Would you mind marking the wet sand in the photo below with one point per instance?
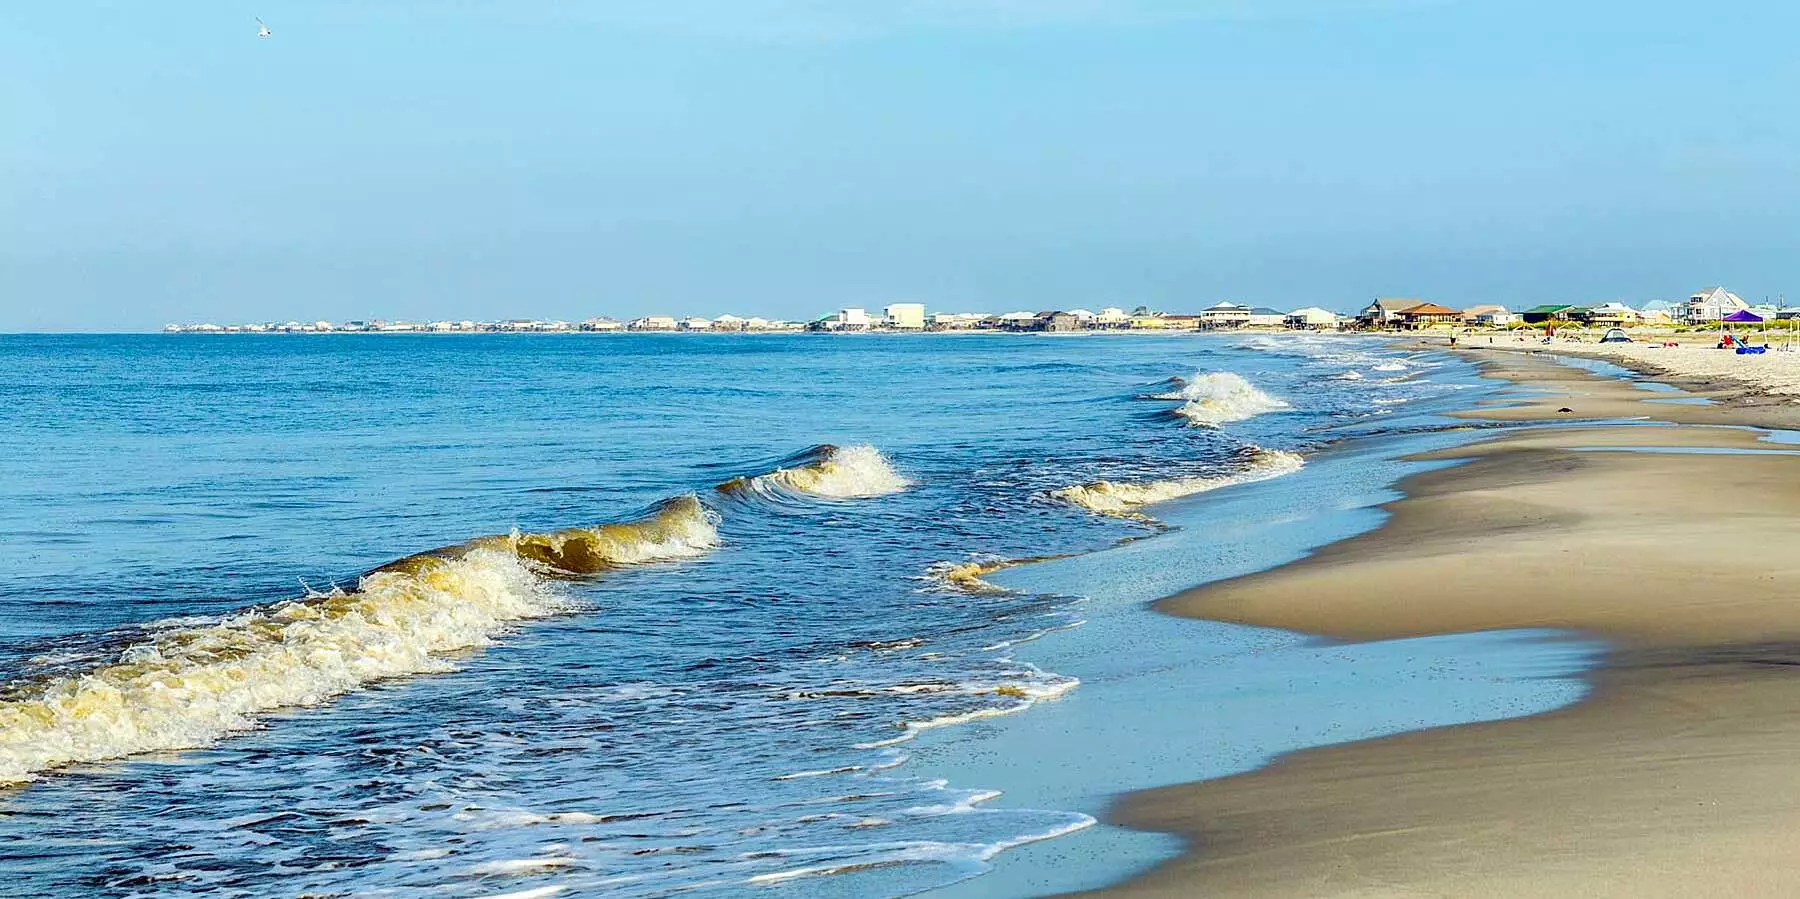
(1674, 777)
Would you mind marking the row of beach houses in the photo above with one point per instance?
(504, 326)
(1714, 304)
(913, 317)
(1387, 313)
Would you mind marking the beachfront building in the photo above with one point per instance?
(1265, 317)
(601, 323)
(1017, 321)
(1054, 321)
(1425, 315)
(1311, 318)
(653, 323)
(1111, 318)
(904, 316)
(1710, 305)
(696, 323)
(851, 318)
(1487, 315)
(1548, 313)
(729, 322)
(1181, 321)
(1225, 315)
(1384, 312)
(1048, 320)
(957, 321)
(1610, 315)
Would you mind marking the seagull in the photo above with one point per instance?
(261, 29)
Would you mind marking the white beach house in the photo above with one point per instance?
(1225, 315)
(1488, 315)
(1265, 317)
(1311, 318)
(1710, 305)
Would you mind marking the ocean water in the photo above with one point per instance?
(622, 615)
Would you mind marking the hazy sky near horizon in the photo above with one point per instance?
(497, 158)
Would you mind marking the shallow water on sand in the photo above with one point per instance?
(205, 695)
(1168, 700)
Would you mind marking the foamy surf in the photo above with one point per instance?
(834, 472)
(1216, 398)
(197, 681)
(1125, 499)
(191, 686)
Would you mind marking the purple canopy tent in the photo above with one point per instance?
(1744, 316)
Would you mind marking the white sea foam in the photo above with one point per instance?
(842, 472)
(533, 893)
(1215, 398)
(971, 858)
(191, 685)
(1125, 499)
(521, 865)
(1032, 687)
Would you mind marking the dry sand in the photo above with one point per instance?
(1695, 359)
(1676, 777)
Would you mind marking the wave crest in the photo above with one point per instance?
(681, 528)
(1126, 499)
(198, 681)
(834, 472)
(1215, 398)
(192, 685)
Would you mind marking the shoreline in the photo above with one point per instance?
(1649, 784)
(1141, 671)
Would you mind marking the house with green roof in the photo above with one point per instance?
(1549, 312)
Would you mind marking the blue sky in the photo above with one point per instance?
(490, 158)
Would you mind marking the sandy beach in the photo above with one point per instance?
(1672, 543)
(1696, 359)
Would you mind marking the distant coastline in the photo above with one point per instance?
(1704, 309)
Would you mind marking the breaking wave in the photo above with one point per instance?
(197, 681)
(680, 528)
(192, 685)
(1126, 499)
(1215, 398)
(835, 472)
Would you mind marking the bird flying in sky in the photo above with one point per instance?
(261, 29)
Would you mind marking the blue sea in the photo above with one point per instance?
(648, 615)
